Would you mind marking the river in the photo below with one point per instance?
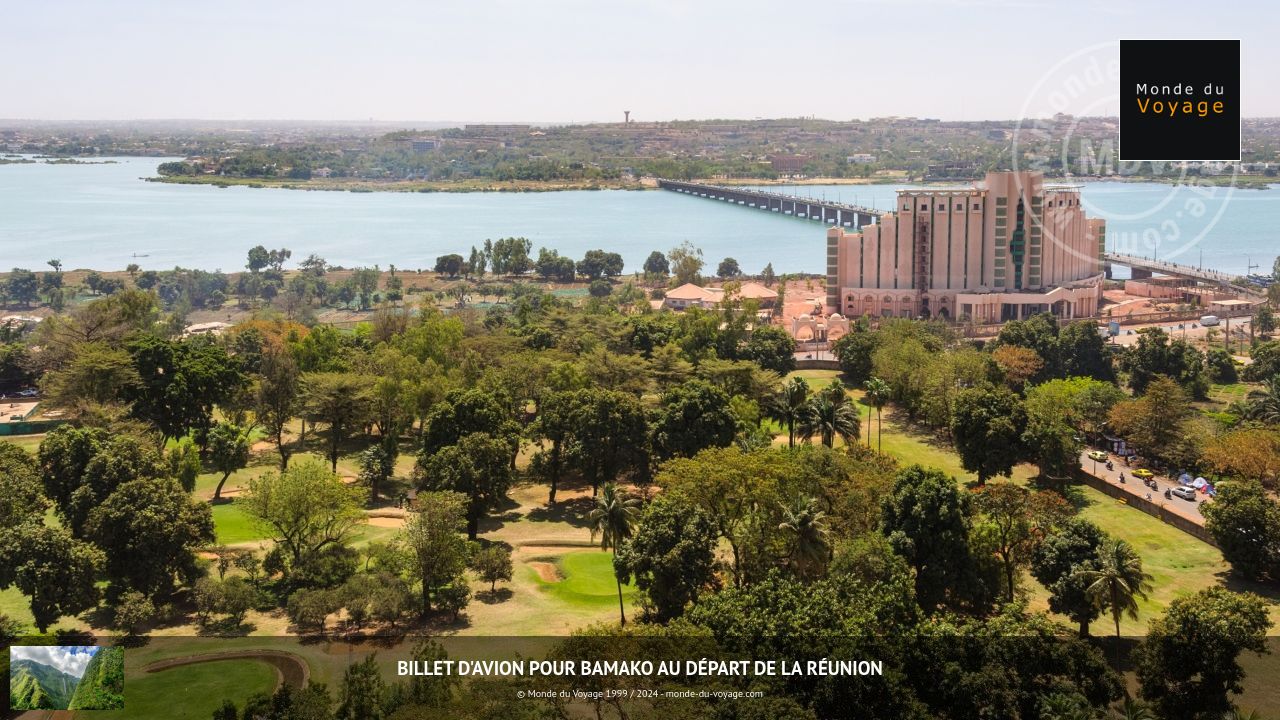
(103, 216)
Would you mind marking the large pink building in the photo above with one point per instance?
(1005, 248)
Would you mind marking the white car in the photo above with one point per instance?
(1184, 492)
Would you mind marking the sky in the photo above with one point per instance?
(559, 61)
(71, 660)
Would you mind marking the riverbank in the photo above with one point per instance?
(403, 186)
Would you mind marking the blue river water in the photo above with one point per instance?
(104, 216)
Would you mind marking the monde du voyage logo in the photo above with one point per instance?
(1180, 100)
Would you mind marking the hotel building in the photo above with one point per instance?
(1003, 249)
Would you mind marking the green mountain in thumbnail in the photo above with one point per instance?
(102, 687)
(36, 686)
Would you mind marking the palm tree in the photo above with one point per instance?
(828, 418)
(1133, 709)
(877, 395)
(612, 517)
(1263, 404)
(790, 407)
(1118, 583)
(806, 523)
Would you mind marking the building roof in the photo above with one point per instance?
(689, 291)
(756, 291)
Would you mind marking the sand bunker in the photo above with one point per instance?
(547, 572)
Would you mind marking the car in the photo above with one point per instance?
(1185, 492)
(1143, 473)
(1098, 455)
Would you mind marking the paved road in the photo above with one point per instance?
(1133, 486)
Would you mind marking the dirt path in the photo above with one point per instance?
(289, 668)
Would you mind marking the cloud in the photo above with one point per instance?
(70, 660)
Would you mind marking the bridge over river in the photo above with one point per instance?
(1144, 267)
(830, 213)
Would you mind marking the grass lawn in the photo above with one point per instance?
(30, 443)
(586, 579)
(1178, 563)
(192, 691)
(233, 526)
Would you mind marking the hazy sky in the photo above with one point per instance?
(581, 60)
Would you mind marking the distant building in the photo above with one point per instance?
(690, 295)
(788, 164)
(861, 159)
(423, 144)
(1002, 249)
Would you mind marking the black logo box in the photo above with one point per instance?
(1189, 65)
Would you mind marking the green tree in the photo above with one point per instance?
(877, 396)
(790, 406)
(686, 263)
(772, 348)
(555, 424)
(1189, 665)
(1156, 422)
(493, 564)
(1118, 582)
(855, 350)
(598, 263)
(671, 556)
(1016, 519)
(81, 467)
(182, 382)
(23, 286)
(451, 265)
(339, 400)
(21, 494)
(432, 536)
(1245, 521)
(728, 269)
(97, 373)
(808, 536)
(831, 416)
(1060, 563)
(462, 413)
(1263, 403)
(228, 446)
(377, 465)
(693, 416)
(656, 265)
(986, 427)
(54, 570)
(277, 400)
(478, 467)
(307, 508)
(363, 694)
(150, 531)
(927, 522)
(612, 519)
(1084, 352)
(1155, 355)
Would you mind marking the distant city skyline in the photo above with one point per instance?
(564, 61)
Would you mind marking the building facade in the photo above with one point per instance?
(1003, 249)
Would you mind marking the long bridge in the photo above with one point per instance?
(830, 213)
(1144, 267)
